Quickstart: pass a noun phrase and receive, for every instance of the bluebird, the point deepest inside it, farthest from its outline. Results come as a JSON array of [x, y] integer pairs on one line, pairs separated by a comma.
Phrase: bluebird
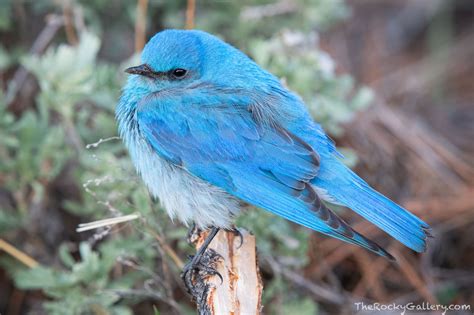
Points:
[[209, 130]]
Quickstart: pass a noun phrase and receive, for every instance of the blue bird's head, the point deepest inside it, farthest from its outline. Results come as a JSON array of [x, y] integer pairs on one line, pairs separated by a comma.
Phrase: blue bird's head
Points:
[[176, 59]]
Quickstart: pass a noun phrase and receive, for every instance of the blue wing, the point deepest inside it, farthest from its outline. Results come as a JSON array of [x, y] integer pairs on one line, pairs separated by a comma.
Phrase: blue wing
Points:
[[263, 164]]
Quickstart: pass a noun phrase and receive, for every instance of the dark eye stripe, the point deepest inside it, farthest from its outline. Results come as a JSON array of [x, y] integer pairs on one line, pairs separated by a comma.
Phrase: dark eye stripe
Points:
[[173, 74]]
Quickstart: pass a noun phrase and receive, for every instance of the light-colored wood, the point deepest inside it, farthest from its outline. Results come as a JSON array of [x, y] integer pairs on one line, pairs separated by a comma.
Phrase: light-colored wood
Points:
[[240, 291]]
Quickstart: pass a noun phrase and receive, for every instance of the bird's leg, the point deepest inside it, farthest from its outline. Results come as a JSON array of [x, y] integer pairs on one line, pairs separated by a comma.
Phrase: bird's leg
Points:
[[201, 263], [204, 246]]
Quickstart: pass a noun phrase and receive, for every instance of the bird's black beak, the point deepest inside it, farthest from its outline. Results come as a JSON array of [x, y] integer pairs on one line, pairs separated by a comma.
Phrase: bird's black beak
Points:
[[140, 70]]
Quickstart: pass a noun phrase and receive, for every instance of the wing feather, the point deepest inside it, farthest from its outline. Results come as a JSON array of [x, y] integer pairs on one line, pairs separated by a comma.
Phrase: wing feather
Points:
[[262, 164]]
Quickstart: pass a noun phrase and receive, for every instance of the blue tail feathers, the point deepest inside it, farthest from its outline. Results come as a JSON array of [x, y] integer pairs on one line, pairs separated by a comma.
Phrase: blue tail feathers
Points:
[[351, 191]]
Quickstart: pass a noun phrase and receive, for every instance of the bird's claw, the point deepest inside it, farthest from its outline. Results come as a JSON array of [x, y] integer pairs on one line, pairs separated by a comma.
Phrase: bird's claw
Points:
[[193, 234], [239, 234], [198, 269]]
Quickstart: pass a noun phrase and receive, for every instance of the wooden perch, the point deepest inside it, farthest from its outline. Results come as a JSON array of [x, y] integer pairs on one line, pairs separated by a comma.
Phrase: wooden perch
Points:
[[240, 290]]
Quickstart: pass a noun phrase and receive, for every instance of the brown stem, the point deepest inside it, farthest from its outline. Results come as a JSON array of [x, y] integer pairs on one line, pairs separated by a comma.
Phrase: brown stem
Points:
[[140, 25], [68, 23], [190, 13]]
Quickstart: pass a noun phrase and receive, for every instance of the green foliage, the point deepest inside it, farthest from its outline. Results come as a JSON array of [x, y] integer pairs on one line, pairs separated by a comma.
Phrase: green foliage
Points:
[[75, 107], [30, 147], [276, 235], [5, 14], [5, 59], [65, 74], [85, 288], [294, 56], [447, 294], [303, 306], [263, 18]]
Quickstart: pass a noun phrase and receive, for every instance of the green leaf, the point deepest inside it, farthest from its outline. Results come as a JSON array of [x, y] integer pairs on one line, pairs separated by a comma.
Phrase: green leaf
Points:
[[66, 73], [41, 278], [301, 307]]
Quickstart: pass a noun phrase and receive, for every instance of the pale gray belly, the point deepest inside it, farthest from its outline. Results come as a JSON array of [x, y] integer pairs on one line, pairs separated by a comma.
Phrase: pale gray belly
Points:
[[183, 195]]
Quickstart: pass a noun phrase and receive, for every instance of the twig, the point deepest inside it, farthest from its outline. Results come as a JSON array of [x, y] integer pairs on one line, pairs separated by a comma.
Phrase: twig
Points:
[[148, 294], [73, 138], [68, 23], [16, 301], [140, 25], [321, 293], [370, 281], [169, 251], [420, 140], [190, 13], [414, 278], [18, 255], [106, 222], [53, 23], [435, 206], [419, 75], [100, 141], [167, 275]]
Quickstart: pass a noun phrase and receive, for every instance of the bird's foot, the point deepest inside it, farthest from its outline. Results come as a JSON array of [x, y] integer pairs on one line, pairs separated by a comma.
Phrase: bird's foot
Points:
[[198, 269], [202, 265]]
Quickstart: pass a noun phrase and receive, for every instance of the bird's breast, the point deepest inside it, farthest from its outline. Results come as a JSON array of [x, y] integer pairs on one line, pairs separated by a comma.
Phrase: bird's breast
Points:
[[183, 195]]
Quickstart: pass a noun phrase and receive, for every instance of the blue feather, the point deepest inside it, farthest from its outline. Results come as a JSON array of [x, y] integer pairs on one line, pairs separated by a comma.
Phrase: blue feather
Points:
[[270, 168], [350, 190], [229, 130]]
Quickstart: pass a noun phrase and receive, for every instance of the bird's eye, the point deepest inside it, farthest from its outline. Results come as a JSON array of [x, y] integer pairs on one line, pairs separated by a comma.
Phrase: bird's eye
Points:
[[179, 73]]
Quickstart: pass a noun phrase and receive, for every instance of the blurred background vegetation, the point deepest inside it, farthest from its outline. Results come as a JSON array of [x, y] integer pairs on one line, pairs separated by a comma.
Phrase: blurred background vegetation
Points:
[[391, 81]]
